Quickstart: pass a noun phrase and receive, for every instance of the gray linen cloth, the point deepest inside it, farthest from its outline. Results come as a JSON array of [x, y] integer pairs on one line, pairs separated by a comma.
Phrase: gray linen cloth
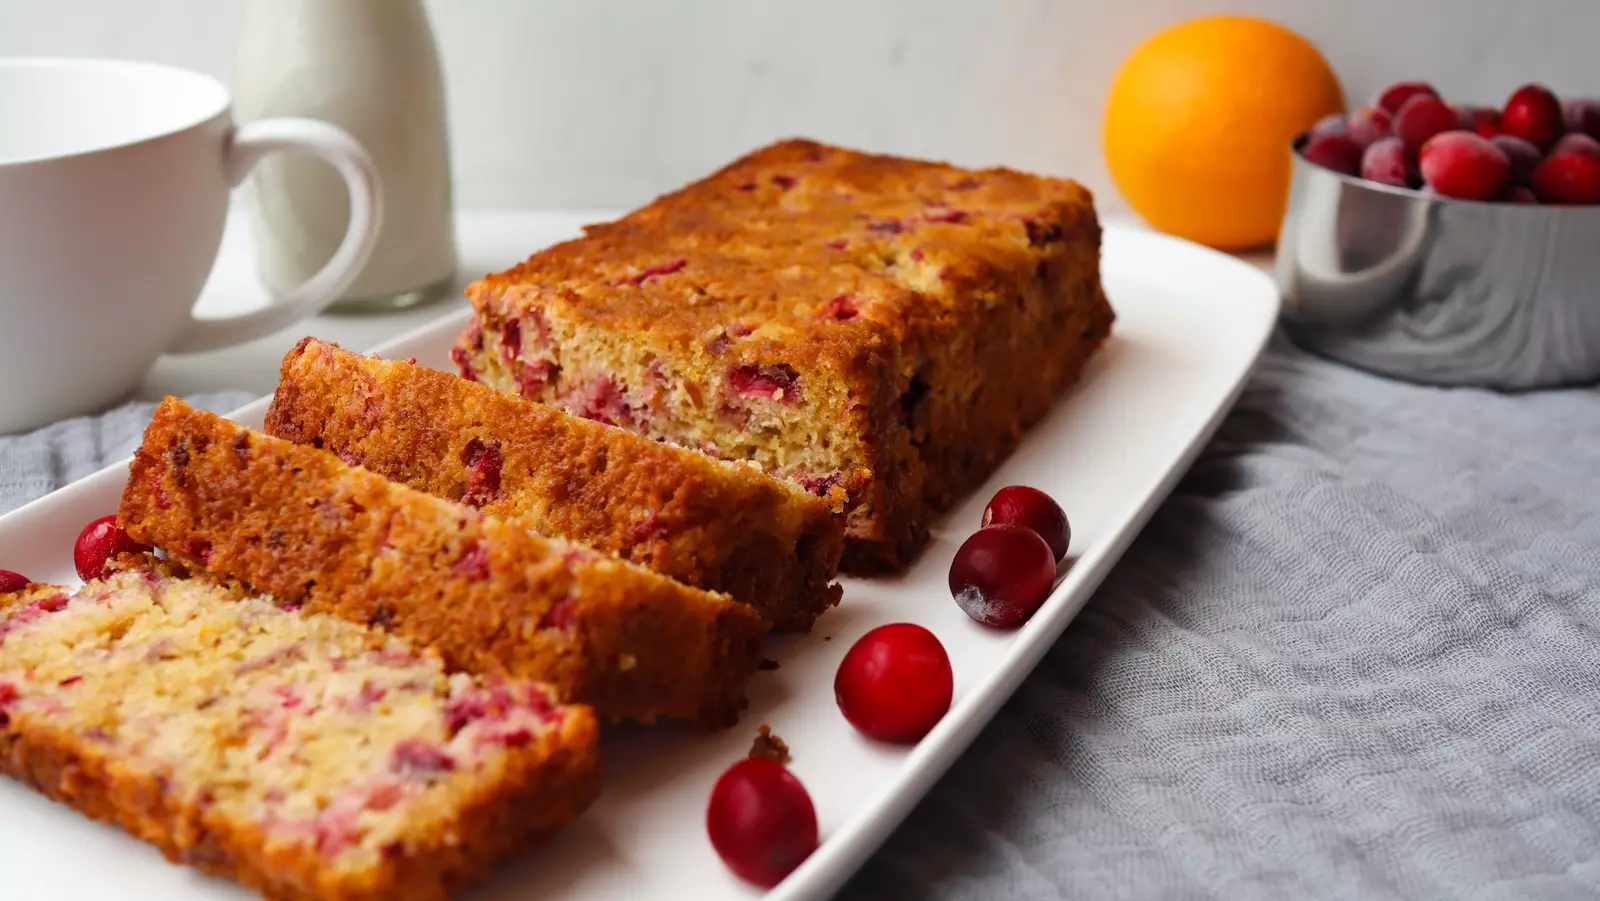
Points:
[[1354, 656], [38, 463]]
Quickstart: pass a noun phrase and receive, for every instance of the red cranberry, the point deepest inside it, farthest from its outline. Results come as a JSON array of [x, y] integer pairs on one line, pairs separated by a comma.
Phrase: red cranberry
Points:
[[895, 683], [761, 821], [10, 581], [779, 383], [1524, 157], [474, 561], [1369, 124], [485, 460], [1576, 145], [1582, 116], [98, 543], [52, 604], [601, 400], [821, 486], [535, 376], [1533, 114], [1391, 98], [653, 271], [1019, 505], [415, 757], [646, 529], [842, 308], [1331, 124], [1422, 117], [1463, 165], [1338, 152], [1482, 120], [1002, 574], [1568, 179], [511, 340], [463, 364], [1520, 194], [1385, 162], [560, 615]]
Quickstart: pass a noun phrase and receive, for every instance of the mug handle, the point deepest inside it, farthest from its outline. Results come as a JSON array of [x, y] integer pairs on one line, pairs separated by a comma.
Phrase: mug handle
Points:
[[251, 142]]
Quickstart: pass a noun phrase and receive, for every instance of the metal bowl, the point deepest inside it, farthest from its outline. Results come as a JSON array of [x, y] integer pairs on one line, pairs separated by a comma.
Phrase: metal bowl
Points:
[[1440, 291]]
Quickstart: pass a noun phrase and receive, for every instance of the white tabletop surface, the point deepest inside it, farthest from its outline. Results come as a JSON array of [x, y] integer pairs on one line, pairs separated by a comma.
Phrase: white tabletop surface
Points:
[[488, 242]]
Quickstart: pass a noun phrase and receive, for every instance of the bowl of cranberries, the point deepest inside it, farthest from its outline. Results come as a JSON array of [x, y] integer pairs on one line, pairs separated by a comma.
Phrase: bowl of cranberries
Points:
[[1449, 243]]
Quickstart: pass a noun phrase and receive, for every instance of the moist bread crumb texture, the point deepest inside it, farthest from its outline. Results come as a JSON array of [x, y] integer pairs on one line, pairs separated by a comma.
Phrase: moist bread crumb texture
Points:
[[878, 330], [705, 522], [302, 755], [485, 593]]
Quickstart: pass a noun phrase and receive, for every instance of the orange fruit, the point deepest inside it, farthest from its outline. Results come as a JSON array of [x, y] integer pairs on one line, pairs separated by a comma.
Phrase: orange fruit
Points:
[[1199, 121]]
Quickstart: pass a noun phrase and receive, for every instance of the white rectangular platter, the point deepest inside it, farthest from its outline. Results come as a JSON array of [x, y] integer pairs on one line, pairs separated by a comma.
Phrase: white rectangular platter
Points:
[[1191, 325]]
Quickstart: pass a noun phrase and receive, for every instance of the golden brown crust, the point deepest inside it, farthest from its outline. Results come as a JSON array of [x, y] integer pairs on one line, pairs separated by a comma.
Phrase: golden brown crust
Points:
[[920, 316], [768, 746], [547, 785], [685, 515], [485, 593]]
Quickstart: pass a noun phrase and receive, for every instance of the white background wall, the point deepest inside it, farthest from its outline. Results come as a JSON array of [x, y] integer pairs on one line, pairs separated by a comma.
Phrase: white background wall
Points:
[[604, 103]]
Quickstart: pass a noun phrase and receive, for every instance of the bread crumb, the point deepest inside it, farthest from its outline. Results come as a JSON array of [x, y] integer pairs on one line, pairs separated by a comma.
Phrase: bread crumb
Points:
[[769, 747]]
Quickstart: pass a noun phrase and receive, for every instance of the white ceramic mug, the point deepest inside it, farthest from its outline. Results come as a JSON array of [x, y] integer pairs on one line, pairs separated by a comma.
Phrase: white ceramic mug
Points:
[[114, 187]]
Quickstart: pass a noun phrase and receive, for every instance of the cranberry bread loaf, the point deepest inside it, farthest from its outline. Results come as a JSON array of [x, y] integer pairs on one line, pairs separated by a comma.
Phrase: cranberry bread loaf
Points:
[[303, 756], [845, 320], [486, 593], [715, 525]]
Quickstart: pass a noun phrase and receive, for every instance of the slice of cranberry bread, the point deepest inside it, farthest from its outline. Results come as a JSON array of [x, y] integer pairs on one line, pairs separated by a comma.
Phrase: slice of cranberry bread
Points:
[[842, 319], [303, 756], [486, 593], [716, 525]]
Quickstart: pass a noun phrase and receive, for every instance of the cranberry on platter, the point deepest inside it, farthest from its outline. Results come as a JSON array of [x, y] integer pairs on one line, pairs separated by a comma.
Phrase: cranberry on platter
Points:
[[10, 581], [98, 543], [1019, 505], [1002, 574], [895, 683], [761, 821]]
